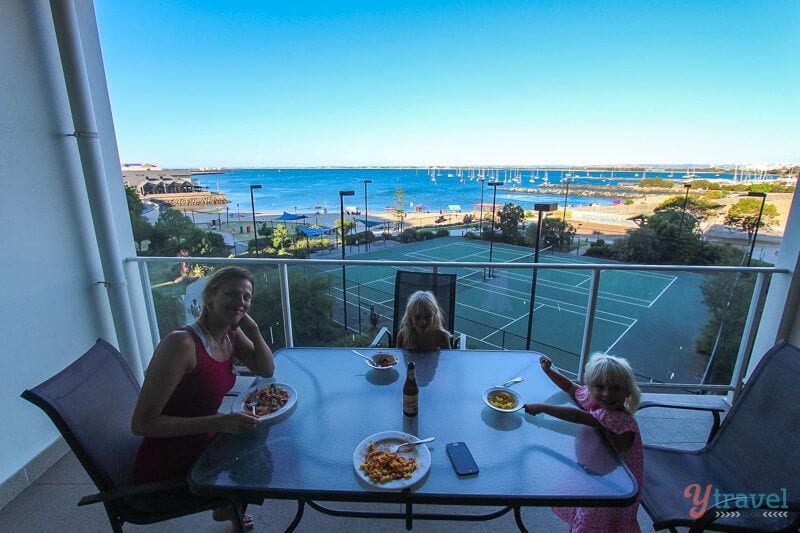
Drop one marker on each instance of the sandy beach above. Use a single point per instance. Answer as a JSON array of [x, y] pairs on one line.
[[597, 220]]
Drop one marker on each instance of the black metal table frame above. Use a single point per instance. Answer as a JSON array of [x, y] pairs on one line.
[[402, 498]]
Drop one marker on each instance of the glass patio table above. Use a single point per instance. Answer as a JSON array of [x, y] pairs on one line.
[[307, 454]]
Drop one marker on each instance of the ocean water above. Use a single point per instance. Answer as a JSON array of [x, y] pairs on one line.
[[310, 190]]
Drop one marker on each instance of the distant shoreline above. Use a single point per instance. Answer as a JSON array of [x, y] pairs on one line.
[[678, 169]]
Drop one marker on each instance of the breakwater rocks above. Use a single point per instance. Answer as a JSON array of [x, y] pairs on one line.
[[597, 191], [190, 199]]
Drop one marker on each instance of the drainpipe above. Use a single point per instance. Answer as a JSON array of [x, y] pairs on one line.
[[83, 117]]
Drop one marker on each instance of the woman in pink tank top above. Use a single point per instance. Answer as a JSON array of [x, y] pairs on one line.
[[188, 376]]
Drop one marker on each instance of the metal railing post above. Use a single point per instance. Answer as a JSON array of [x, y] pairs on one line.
[[358, 294], [588, 325], [286, 305], [748, 333], [150, 306]]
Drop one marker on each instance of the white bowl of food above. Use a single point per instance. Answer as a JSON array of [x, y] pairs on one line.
[[383, 360], [502, 399]]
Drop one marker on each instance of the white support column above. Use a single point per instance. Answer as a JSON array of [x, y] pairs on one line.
[[780, 319]]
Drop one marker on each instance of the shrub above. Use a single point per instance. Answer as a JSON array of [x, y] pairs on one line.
[[170, 312], [442, 233], [409, 235], [599, 248], [425, 235]]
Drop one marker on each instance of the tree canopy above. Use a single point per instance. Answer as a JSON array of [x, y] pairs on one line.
[[142, 230], [656, 182], [744, 215], [555, 231], [174, 232], [697, 206], [509, 220], [280, 237]]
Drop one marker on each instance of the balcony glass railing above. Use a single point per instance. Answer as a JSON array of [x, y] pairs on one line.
[[681, 327]]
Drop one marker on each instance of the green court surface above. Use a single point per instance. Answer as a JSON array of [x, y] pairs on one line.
[[635, 310]]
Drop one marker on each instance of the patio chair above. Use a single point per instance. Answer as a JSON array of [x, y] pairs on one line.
[[91, 403], [406, 283], [753, 455]]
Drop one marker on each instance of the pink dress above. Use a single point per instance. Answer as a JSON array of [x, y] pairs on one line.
[[608, 519], [199, 393]]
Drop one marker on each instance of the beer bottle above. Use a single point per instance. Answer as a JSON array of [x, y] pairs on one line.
[[410, 392]]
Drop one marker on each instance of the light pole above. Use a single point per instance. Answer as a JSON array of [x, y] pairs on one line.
[[342, 194], [494, 185], [763, 197], [539, 208], [366, 215], [253, 207], [564, 218], [480, 218], [683, 212]]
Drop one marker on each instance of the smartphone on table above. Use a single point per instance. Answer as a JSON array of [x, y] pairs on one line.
[[463, 462]]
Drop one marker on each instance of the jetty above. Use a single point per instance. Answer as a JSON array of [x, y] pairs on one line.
[[189, 199]]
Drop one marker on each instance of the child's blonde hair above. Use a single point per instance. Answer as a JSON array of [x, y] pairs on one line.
[[424, 300], [614, 371]]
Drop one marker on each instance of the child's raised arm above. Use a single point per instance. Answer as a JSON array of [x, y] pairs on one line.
[[620, 441], [569, 414], [555, 376]]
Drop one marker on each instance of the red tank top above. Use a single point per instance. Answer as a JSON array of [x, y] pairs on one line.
[[199, 393]]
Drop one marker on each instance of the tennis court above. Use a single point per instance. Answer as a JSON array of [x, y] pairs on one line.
[[493, 313]]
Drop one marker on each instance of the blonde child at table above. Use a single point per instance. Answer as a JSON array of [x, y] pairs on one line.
[[421, 327], [607, 402]]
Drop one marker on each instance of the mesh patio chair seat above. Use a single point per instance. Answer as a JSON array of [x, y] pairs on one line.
[[754, 454], [91, 403], [406, 283]]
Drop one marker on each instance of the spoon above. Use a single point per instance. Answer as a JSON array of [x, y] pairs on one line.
[[409, 444], [369, 360], [511, 382]]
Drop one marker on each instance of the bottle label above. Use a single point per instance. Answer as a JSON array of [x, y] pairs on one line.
[[410, 404]]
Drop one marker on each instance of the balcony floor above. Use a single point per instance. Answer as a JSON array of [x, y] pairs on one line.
[[49, 504]]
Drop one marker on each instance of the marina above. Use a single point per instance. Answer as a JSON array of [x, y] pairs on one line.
[[315, 190]]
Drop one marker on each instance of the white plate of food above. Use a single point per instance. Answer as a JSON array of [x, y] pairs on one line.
[[407, 468], [265, 400], [502, 399]]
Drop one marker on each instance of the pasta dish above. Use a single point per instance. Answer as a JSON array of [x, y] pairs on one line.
[[265, 400], [382, 466]]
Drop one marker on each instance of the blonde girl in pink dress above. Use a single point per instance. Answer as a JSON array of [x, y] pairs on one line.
[[607, 402]]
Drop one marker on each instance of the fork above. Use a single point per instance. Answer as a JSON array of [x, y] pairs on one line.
[[369, 360], [397, 448], [252, 406], [511, 382]]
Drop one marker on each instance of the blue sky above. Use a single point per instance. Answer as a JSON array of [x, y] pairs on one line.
[[268, 83]]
